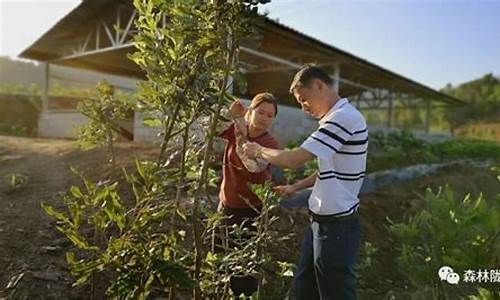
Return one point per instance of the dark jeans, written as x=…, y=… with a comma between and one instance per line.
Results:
x=326, y=266
x=246, y=285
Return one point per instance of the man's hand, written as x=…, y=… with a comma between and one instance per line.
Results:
x=237, y=109
x=251, y=149
x=285, y=190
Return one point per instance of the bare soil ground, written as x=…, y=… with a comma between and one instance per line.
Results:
x=32, y=252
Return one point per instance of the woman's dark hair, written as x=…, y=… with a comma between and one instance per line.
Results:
x=267, y=98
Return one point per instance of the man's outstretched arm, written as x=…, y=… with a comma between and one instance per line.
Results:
x=291, y=159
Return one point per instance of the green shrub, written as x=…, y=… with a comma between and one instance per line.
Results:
x=484, y=294
x=461, y=148
x=17, y=180
x=397, y=149
x=10, y=129
x=447, y=232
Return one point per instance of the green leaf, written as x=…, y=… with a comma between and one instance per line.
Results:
x=152, y=122
x=76, y=192
x=55, y=214
x=70, y=258
x=76, y=239
x=211, y=258
x=172, y=53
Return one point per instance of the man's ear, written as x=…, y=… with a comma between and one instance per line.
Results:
x=320, y=85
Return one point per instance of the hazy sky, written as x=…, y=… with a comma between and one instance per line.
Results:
x=431, y=41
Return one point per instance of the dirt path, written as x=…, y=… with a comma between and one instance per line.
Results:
x=29, y=247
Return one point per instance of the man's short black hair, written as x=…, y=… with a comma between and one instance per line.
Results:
x=306, y=74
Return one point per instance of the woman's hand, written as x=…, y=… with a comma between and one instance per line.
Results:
x=237, y=109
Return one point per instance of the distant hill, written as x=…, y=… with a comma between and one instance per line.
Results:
x=484, y=89
x=483, y=97
x=481, y=117
x=20, y=72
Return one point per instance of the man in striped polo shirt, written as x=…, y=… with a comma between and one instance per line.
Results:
x=330, y=245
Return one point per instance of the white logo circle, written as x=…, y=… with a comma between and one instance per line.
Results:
x=444, y=271
x=447, y=273
x=453, y=278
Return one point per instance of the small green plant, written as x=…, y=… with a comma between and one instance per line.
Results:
x=104, y=112
x=448, y=232
x=10, y=129
x=17, y=180
x=265, y=235
x=369, y=253
x=484, y=294
x=368, y=260
x=245, y=251
x=397, y=149
x=463, y=148
x=131, y=246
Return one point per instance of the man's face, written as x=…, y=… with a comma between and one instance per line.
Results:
x=308, y=98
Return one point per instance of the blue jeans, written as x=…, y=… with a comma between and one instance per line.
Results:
x=326, y=266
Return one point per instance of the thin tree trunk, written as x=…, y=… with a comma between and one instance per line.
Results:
x=204, y=174
x=263, y=225
x=169, y=126
x=180, y=184
x=111, y=148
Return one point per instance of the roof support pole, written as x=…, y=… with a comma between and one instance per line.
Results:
x=389, y=111
x=108, y=32
x=336, y=77
x=45, y=98
x=118, y=26
x=45, y=92
x=97, y=35
x=129, y=25
x=427, y=116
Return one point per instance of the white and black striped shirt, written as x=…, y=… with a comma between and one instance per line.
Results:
x=340, y=145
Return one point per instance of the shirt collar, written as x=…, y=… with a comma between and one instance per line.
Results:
x=257, y=137
x=337, y=105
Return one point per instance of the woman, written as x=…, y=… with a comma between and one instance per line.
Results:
x=236, y=200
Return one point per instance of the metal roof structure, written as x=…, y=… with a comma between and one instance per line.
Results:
x=96, y=35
